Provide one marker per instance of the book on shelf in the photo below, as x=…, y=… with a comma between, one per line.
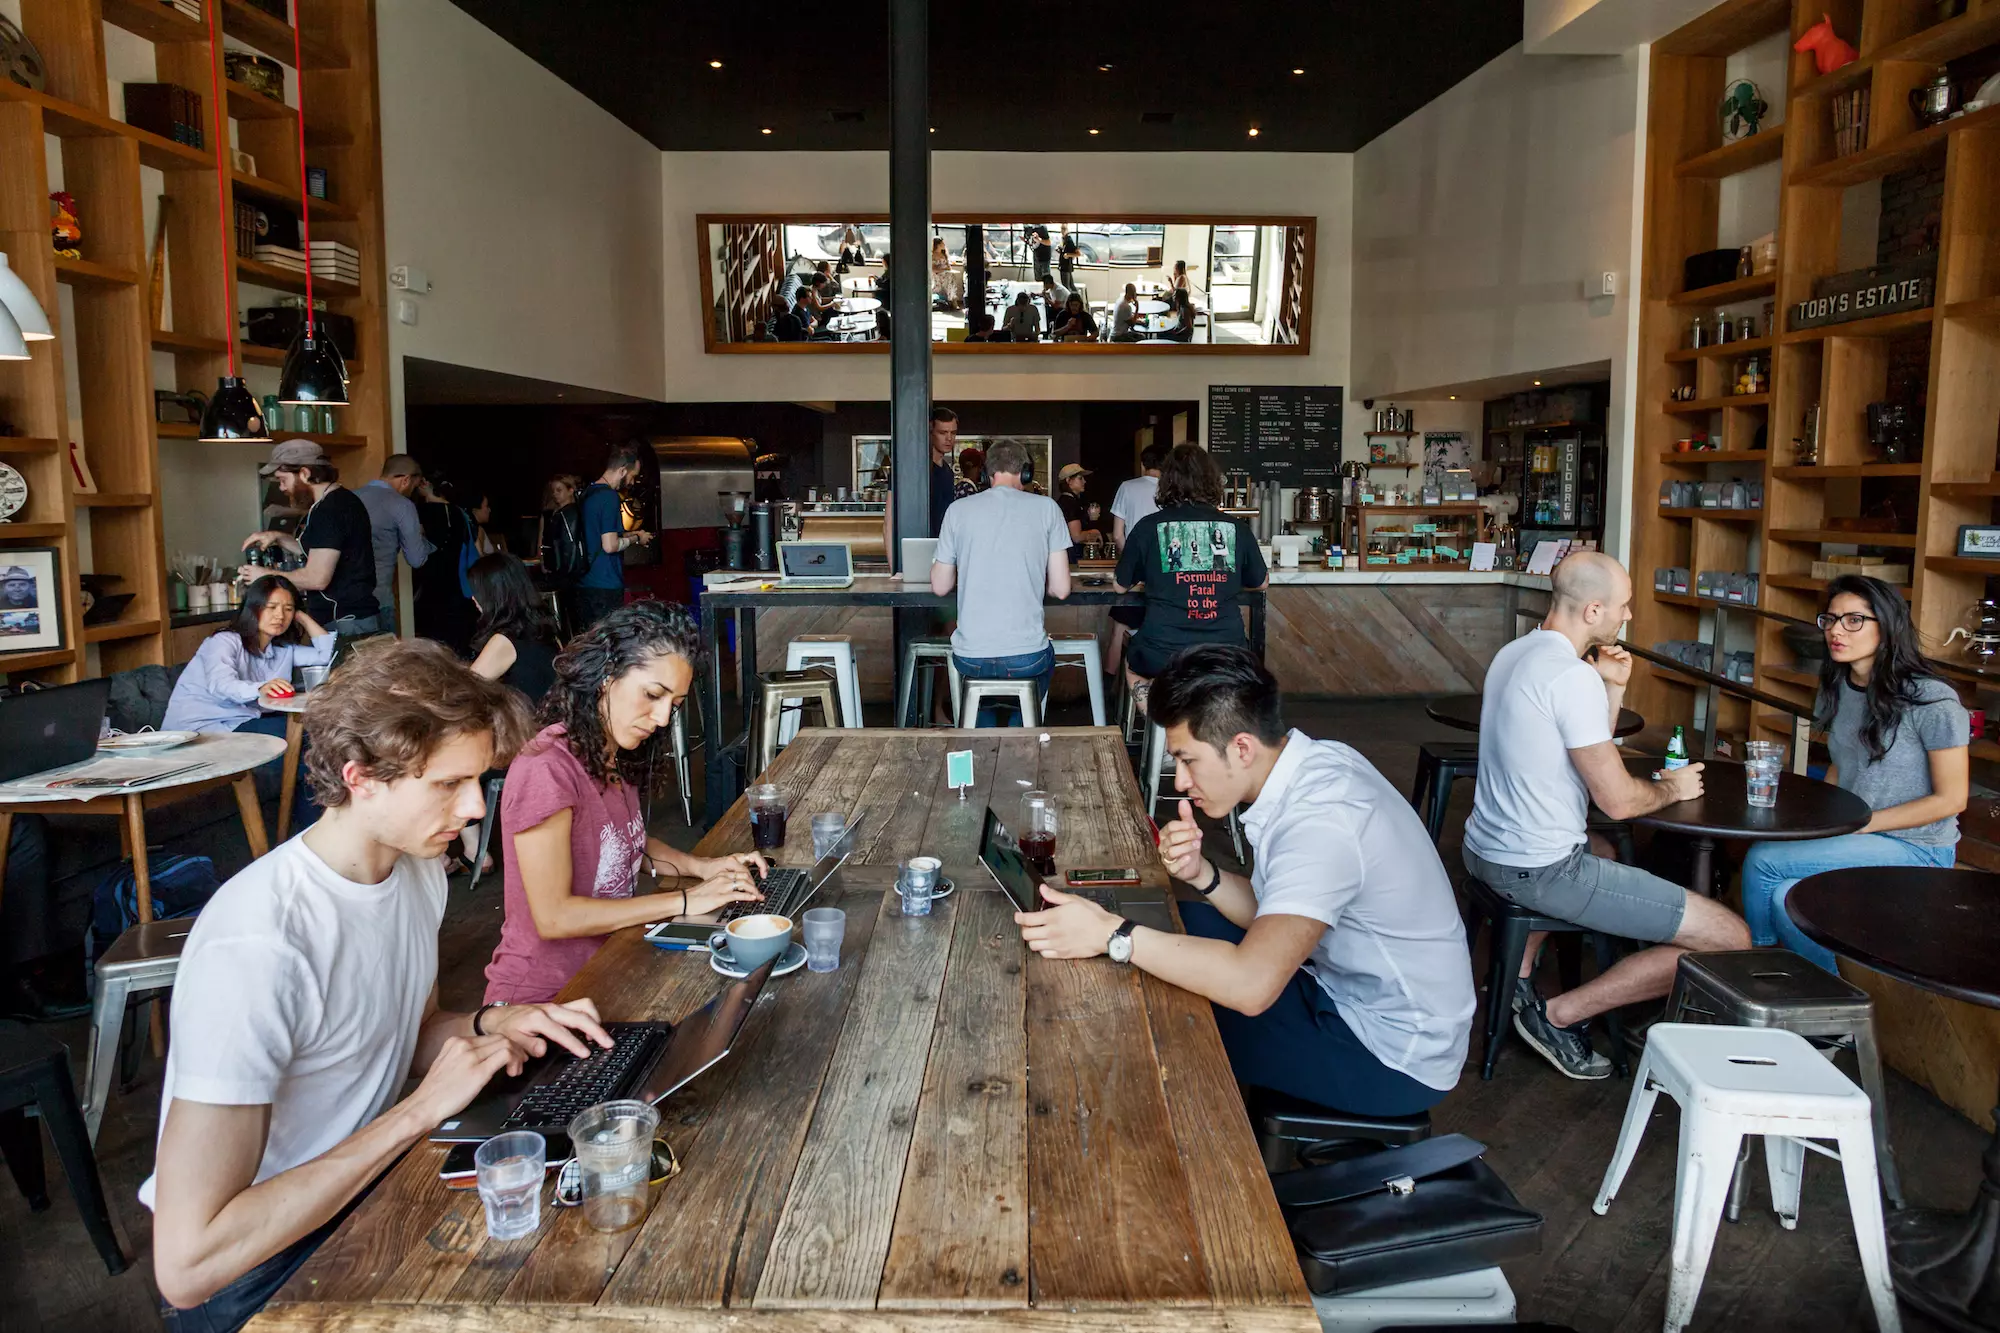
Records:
x=165, y=109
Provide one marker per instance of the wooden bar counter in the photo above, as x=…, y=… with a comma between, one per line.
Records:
x=947, y=1132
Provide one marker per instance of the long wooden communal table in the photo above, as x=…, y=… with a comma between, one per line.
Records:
x=947, y=1132
x=724, y=760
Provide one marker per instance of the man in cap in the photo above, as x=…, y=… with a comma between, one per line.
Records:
x=1076, y=511
x=393, y=526
x=339, y=575
x=17, y=588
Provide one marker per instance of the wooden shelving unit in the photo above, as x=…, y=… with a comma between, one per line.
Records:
x=1951, y=350
x=119, y=528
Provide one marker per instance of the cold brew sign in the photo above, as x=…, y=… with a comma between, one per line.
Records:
x=1868, y=292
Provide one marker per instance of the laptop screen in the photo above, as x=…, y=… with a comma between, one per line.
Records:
x=704, y=1037
x=814, y=560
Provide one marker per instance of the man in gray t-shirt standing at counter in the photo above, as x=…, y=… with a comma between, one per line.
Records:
x=1003, y=550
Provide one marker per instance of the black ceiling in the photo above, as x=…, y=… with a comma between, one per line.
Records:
x=1019, y=76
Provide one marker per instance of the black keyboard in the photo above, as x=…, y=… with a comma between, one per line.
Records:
x=783, y=887
x=601, y=1076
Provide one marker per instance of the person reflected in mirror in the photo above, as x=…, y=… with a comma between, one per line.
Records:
x=1024, y=320
x=1055, y=300
x=853, y=248
x=1897, y=737
x=947, y=279
x=1037, y=238
x=1069, y=255
x=981, y=329
x=1182, y=330
x=1125, y=319
x=1075, y=323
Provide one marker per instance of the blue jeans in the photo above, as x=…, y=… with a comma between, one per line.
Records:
x=270, y=776
x=1302, y=1046
x=1039, y=667
x=1771, y=868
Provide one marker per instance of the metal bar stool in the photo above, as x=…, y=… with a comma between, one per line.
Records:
x=1512, y=925
x=1294, y=1133
x=1080, y=650
x=1021, y=693
x=925, y=653
x=143, y=960
x=1775, y=988
x=1154, y=766
x=835, y=652
x=493, y=787
x=1439, y=764
x=34, y=1071
x=783, y=691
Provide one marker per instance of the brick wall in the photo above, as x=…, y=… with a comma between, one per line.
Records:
x=1912, y=203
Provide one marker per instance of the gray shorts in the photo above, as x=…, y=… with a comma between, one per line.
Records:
x=1591, y=892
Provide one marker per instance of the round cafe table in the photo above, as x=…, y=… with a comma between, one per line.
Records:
x=1938, y=930
x=1806, y=808
x=294, y=710
x=858, y=305
x=1462, y=711
x=1154, y=307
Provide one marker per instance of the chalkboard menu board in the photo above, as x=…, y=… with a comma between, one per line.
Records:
x=1286, y=433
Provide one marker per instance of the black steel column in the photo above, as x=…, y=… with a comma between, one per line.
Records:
x=909, y=265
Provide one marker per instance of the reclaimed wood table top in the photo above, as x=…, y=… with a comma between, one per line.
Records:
x=949, y=1130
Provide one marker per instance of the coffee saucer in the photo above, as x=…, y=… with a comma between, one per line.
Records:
x=791, y=960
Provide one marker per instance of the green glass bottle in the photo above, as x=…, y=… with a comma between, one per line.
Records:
x=1677, y=750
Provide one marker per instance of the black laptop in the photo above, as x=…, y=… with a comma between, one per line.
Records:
x=52, y=728
x=648, y=1062
x=1001, y=855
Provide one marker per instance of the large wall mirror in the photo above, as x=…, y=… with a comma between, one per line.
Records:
x=1079, y=286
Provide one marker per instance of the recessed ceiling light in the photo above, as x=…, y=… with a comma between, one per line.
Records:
x=1104, y=69
x=1093, y=129
x=1454, y=398
x=933, y=129
x=765, y=130
x=1538, y=384
x=1298, y=71
x=715, y=64
x=1254, y=131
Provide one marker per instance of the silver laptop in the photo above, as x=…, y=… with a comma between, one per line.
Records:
x=815, y=565
x=918, y=553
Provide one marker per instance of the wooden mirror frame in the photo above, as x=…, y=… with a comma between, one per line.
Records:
x=716, y=346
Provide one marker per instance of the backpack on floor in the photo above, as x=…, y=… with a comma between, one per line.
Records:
x=182, y=886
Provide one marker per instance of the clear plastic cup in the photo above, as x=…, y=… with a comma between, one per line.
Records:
x=917, y=881
x=1763, y=762
x=826, y=830
x=510, y=1169
x=825, y=927
x=613, y=1142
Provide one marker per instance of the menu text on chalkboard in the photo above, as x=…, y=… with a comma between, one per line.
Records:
x=1286, y=433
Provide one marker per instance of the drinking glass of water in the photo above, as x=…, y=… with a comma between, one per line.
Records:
x=510, y=1167
x=1763, y=761
x=826, y=830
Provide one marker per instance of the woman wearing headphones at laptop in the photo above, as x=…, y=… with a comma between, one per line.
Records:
x=571, y=806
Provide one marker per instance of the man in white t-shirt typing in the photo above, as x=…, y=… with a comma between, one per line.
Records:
x=1545, y=753
x=307, y=994
x=1338, y=968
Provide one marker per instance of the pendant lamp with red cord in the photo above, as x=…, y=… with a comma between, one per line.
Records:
x=232, y=413
x=313, y=372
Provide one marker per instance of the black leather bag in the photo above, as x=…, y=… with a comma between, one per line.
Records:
x=1428, y=1210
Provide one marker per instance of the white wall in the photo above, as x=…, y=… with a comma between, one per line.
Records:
x=535, y=212
x=1477, y=221
x=1318, y=185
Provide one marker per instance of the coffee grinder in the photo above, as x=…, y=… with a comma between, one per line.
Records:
x=735, y=506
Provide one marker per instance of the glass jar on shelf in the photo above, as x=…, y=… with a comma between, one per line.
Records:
x=1697, y=332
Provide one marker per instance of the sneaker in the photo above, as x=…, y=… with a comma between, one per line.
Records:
x=1525, y=995
x=1568, y=1049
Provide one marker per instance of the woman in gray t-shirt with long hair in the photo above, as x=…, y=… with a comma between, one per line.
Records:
x=1897, y=737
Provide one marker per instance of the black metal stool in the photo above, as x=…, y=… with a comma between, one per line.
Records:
x=34, y=1071
x=1293, y=1133
x=1776, y=988
x=1439, y=764
x=1511, y=927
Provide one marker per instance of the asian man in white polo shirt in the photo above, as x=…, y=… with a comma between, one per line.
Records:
x=1338, y=967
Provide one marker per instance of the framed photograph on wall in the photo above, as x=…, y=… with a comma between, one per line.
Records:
x=31, y=596
x=1979, y=541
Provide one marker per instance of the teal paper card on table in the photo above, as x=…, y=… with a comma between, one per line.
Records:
x=958, y=769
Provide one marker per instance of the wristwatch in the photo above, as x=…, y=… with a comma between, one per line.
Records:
x=1214, y=883
x=1119, y=946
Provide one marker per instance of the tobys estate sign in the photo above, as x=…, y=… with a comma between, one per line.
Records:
x=1868, y=292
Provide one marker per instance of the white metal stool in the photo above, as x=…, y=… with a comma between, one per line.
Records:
x=143, y=960
x=1021, y=693
x=835, y=652
x=1730, y=1082
x=924, y=652
x=1080, y=650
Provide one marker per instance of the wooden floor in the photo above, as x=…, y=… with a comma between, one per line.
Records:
x=1548, y=1138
